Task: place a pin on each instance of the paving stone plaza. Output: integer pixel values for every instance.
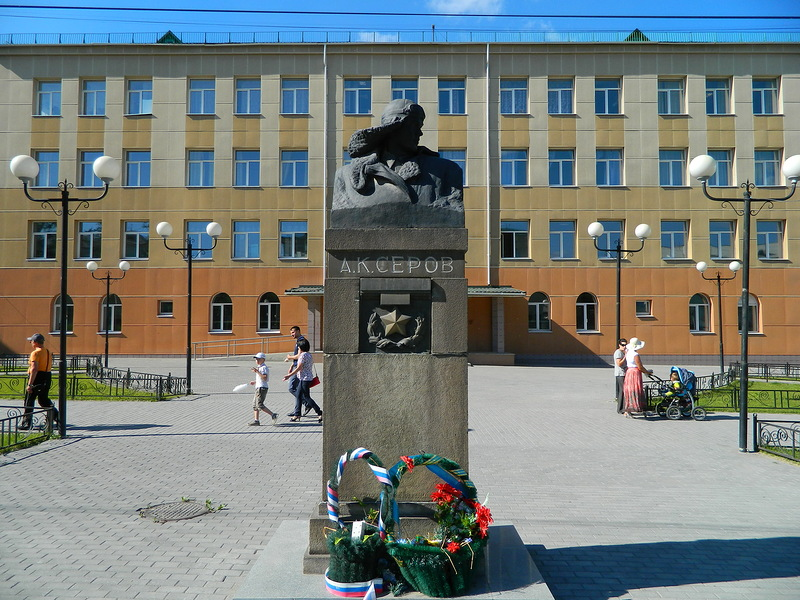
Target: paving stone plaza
(609, 507)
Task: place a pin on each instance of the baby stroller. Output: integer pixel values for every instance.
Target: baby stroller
(680, 401)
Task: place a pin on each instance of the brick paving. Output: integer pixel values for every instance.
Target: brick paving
(610, 507)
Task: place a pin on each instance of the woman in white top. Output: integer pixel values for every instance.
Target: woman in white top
(632, 388)
(305, 373)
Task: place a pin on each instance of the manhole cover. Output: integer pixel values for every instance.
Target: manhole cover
(173, 511)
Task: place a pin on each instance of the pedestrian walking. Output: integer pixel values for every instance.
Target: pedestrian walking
(262, 387)
(633, 389)
(40, 364)
(304, 370)
(620, 366)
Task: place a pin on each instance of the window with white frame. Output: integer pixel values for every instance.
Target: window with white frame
(269, 313)
(407, 89)
(513, 96)
(611, 238)
(200, 168)
(136, 242)
(674, 235)
(90, 238)
(246, 168)
(248, 96)
(294, 96)
(643, 308)
(246, 239)
(539, 312)
(202, 94)
(513, 168)
(608, 166)
(514, 239)
(87, 178)
(769, 240)
(93, 97)
(294, 168)
(165, 308)
(357, 96)
(765, 95)
(561, 167)
(586, 312)
(699, 312)
(48, 169)
(562, 239)
(607, 94)
(201, 242)
(111, 314)
(767, 166)
(140, 96)
(718, 96)
(137, 168)
(221, 313)
(721, 239)
(48, 99)
(559, 96)
(752, 314)
(70, 316)
(452, 97)
(44, 235)
(723, 175)
(670, 168)
(670, 97)
(458, 156)
(294, 239)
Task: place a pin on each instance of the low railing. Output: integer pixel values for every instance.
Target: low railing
(239, 346)
(122, 383)
(38, 426)
(768, 371)
(777, 437)
(10, 363)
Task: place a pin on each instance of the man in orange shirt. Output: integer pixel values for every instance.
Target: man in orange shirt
(40, 365)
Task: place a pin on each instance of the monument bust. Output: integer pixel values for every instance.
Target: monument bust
(392, 181)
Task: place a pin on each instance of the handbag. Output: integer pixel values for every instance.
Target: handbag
(316, 380)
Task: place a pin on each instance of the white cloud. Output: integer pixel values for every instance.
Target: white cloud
(467, 7)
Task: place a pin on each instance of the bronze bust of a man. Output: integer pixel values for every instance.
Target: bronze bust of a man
(392, 181)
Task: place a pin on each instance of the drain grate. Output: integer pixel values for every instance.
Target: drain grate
(173, 511)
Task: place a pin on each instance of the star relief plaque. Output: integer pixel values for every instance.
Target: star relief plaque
(394, 330)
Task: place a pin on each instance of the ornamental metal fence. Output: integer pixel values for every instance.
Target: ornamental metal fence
(777, 437)
(124, 382)
(18, 429)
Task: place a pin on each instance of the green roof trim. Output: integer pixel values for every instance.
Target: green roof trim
(169, 38)
(637, 36)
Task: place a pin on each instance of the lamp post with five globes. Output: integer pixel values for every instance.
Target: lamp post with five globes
(718, 280)
(92, 266)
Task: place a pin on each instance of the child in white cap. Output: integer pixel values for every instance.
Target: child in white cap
(262, 387)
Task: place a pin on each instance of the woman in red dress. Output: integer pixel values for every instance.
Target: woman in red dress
(632, 388)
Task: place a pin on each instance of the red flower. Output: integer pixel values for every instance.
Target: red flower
(409, 463)
(453, 547)
(445, 494)
(483, 516)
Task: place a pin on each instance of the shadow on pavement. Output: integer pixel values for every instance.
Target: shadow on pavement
(118, 427)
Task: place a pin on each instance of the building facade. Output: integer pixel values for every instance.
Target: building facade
(551, 137)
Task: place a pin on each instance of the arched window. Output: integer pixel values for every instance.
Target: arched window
(752, 314)
(269, 313)
(111, 314)
(56, 328)
(221, 313)
(699, 311)
(586, 312)
(539, 312)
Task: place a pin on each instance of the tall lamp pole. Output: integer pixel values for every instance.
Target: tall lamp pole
(25, 168)
(123, 266)
(596, 230)
(214, 230)
(702, 168)
(718, 280)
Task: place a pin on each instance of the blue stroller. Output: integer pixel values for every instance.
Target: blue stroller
(679, 401)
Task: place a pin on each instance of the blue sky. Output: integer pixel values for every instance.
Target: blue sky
(472, 15)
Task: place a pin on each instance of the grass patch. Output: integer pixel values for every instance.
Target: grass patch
(761, 398)
(22, 440)
(80, 387)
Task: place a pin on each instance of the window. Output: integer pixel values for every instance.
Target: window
(721, 239)
(722, 176)
(673, 239)
(767, 164)
(752, 314)
(43, 240)
(269, 313)
(201, 97)
(87, 178)
(513, 96)
(562, 239)
(140, 96)
(70, 316)
(611, 238)
(111, 314)
(559, 96)
(48, 99)
(769, 240)
(644, 308)
(670, 96)
(136, 244)
(718, 96)
(513, 167)
(699, 310)
(221, 313)
(346, 159)
(246, 239)
(294, 168)
(586, 312)
(457, 156)
(608, 167)
(90, 237)
(357, 96)
(137, 168)
(197, 236)
(200, 168)
(765, 96)
(606, 96)
(248, 96)
(294, 239)
(670, 168)
(539, 312)
(48, 169)
(452, 97)
(165, 308)
(405, 88)
(561, 167)
(294, 96)
(514, 239)
(93, 97)
(247, 168)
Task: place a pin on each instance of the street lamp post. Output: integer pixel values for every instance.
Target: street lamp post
(702, 168)
(642, 232)
(25, 168)
(214, 230)
(123, 266)
(718, 280)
